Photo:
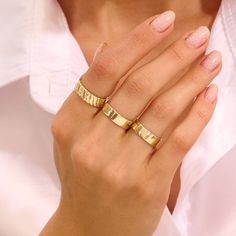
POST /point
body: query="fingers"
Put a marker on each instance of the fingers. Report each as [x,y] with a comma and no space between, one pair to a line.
[116,59]
[143,84]
[171,154]
[165,109]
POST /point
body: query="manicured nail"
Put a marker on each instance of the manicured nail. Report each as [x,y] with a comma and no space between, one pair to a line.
[198,37]
[212,61]
[211,93]
[163,21]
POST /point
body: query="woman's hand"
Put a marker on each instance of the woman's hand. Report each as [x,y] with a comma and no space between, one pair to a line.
[112,181]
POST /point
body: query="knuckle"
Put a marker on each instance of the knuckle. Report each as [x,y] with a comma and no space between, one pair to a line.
[139,190]
[83,156]
[180,141]
[122,181]
[176,52]
[115,178]
[199,79]
[138,84]
[144,191]
[59,134]
[105,66]
[162,109]
[203,114]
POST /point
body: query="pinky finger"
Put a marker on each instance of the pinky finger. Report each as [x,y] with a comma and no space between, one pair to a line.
[171,154]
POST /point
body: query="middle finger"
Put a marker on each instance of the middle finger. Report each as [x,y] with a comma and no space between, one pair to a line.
[142,85]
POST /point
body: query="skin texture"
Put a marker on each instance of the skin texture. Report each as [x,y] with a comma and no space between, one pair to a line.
[112,181]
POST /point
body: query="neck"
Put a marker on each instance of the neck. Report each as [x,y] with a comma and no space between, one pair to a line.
[131,12]
[105,20]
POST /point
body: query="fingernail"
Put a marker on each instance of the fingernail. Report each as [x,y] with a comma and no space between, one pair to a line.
[212,61]
[98,50]
[163,21]
[211,93]
[198,37]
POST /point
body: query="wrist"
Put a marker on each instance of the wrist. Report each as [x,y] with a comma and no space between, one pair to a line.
[61,224]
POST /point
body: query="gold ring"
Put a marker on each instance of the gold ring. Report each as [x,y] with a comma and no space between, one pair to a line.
[87,96]
[118,119]
[145,134]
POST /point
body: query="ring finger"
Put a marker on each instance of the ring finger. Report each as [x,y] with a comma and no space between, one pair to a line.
[165,109]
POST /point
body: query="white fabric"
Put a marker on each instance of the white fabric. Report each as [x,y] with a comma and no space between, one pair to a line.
[40,62]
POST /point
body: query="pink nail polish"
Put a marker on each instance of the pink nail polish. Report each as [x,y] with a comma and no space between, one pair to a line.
[211,93]
[162,22]
[198,37]
[212,61]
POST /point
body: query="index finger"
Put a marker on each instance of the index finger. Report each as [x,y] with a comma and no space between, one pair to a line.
[116,59]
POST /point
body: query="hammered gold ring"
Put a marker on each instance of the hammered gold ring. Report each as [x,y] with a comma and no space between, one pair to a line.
[115,117]
[87,96]
[145,134]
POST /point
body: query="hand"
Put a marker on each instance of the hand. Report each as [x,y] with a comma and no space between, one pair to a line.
[113,183]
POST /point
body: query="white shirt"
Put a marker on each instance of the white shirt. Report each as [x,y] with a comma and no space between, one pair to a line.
[40,62]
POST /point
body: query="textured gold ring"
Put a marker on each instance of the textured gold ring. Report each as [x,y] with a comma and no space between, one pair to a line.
[145,134]
[87,96]
[115,117]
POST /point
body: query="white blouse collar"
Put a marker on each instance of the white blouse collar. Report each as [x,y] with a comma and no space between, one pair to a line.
[229,21]
[56,60]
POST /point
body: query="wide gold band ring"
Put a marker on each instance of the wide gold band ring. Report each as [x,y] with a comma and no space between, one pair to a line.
[87,96]
[145,134]
[115,117]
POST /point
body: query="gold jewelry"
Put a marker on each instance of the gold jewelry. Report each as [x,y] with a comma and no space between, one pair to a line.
[145,134]
[118,119]
[87,96]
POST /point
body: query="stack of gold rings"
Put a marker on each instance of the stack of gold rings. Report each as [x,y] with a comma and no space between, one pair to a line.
[114,116]
[87,96]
